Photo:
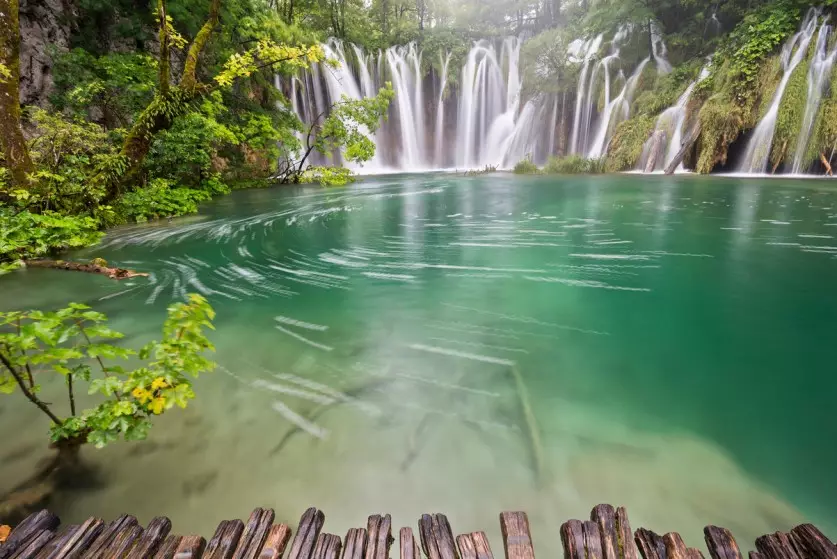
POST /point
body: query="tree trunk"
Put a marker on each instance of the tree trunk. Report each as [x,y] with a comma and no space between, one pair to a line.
[688,142]
[11,134]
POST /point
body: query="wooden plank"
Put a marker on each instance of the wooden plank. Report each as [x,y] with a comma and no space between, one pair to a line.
[409,546]
[255,534]
[592,540]
[605,517]
[755,555]
[81,539]
[168,547]
[33,545]
[327,547]
[355,544]
[49,550]
[190,547]
[109,534]
[694,553]
[517,539]
[572,538]
[379,536]
[720,543]
[224,540]
[428,542]
[123,543]
[482,545]
[29,528]
[277,539]
[675,548]
[627,548]
[151,538]
[465,545]
[651,546]
[306,535]
[814,542]
[436,537]
[777,546]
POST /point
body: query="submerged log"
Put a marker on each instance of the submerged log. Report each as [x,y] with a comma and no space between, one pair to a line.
[95,266]
[688,142]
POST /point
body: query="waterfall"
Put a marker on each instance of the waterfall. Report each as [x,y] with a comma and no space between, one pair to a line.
[757,153]
[818,80]
[438,138]
[615,111]
[583,104]
[669,127]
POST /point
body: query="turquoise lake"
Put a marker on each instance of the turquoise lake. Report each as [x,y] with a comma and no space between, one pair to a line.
[674,337]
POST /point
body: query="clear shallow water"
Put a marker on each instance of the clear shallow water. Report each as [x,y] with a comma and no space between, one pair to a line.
[674,333]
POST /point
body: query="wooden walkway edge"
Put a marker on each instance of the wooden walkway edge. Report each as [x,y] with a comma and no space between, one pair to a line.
[606,535]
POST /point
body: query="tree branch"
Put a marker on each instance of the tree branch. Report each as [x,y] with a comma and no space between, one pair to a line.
[29,394]
[189,80]
[164,47]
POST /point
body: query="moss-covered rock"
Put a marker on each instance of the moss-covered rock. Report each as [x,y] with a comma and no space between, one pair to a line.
[625,148]
[722,121]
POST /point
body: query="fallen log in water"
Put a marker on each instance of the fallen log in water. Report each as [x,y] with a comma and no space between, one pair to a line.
[688,142]
[95,266]
[607,535]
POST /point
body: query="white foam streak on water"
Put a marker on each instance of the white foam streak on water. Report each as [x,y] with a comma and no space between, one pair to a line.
[611,256]
[477,344]
[289,391]
[462,354]
[524,319]
[585,283]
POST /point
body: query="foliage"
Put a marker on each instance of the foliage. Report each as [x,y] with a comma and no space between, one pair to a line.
[66,152]
[66,343]
[752,40]
[328,176]
[161,198]
[26,235]
[110,88]
[625,147]
[267,53]
[185,152]
[546,64]
[574,165]
[526,167]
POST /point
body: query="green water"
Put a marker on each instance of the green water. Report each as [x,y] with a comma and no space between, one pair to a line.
[675,336]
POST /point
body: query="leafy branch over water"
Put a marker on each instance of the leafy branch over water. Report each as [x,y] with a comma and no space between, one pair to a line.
[76,344]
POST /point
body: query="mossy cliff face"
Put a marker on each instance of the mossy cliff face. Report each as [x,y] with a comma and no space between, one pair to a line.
[626,146]
[721,123]
[791,112]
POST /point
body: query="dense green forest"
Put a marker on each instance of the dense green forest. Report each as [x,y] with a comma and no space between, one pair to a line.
[127,110]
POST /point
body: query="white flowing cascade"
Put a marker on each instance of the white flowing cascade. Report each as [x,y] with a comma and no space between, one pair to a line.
[590,136]
[483,124]
[670,123]
[757,154]
[819,74]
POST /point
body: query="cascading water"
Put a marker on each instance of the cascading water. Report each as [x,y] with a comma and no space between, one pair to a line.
[586,50]
[668,132]
[488,126]
[819,74]
[758,149]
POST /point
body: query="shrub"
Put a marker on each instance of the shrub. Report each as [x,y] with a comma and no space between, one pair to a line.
[26,235]
[327,176]
[721,123]
[160,199]
[526,167]
[573,165]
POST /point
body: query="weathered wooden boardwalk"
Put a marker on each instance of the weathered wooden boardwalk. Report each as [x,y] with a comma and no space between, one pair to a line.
[607,535]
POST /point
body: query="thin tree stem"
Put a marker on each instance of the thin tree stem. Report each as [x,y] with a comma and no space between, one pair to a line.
[70,393]
[99,359]
[27,392]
